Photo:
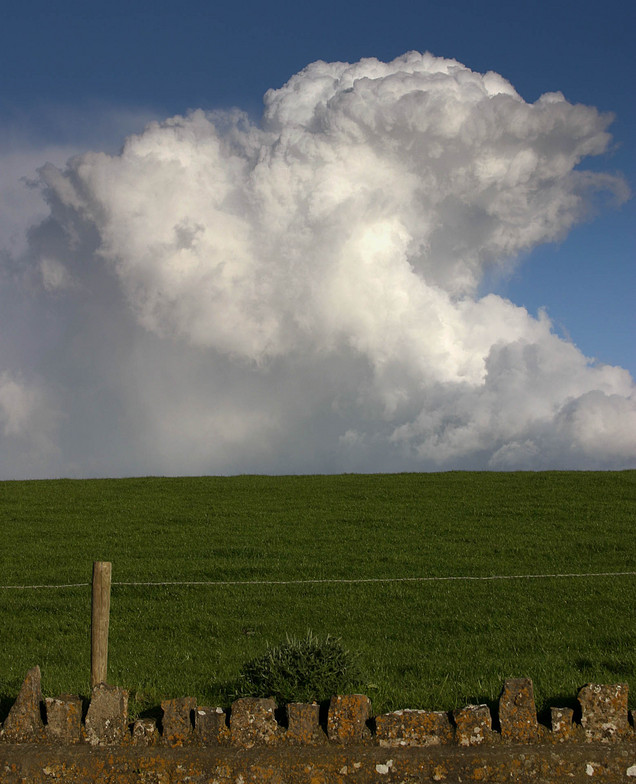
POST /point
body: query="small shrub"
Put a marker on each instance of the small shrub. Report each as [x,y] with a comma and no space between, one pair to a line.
[308,669]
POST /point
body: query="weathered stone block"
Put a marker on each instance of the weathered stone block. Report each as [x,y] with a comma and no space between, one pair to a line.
[562,723]
[253,723]
[210,727]
[473,725]
[64,718]
[24,723]
[517,712]
[178,720]
[107,717]
[145,732]
[304,724]
[604,713]
[347,718]
[413,728]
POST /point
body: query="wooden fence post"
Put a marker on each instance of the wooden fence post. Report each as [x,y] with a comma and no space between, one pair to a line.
[100,616]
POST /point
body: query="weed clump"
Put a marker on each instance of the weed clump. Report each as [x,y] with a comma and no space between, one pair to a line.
[307,669]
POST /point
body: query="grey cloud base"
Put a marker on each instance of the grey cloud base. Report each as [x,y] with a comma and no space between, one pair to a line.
[302,295]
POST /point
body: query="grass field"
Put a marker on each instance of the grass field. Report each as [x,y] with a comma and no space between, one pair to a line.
[433,644]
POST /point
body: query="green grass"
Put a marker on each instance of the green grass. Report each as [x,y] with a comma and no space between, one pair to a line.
[420,644]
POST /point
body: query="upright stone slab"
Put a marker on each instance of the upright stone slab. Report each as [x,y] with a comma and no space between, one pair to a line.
[177,720]
[473,725]
[304,724]
[64,718]
[24,723]
[562,724]
[413,728]
[604,713]
[517,712]
[107,717]
[145,732]
[253,723]
[347,719]
[210,727]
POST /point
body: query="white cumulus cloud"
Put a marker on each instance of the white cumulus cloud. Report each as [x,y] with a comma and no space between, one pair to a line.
[303,294]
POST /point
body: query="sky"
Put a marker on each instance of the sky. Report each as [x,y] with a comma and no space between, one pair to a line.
[316,238]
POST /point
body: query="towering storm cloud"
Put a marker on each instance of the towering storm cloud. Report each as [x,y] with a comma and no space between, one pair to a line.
[309,292]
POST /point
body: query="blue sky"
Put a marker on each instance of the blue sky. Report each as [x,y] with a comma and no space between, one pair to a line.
[77,76]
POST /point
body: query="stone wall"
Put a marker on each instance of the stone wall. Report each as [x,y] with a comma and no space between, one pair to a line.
[49,740]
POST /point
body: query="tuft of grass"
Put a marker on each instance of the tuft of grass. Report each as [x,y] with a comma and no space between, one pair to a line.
[302,669]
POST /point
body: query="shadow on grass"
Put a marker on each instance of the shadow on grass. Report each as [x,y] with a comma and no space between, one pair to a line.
[6,703]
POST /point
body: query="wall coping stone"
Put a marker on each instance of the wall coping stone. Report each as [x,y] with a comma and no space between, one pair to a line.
[64,718]
[473,726]
[414,728]
[107,717]
[24,723]
[604,714]
[517,712]
[347,719]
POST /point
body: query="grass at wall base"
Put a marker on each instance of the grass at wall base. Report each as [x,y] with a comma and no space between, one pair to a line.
[266,543]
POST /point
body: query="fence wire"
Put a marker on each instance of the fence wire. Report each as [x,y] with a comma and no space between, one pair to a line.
[335,580]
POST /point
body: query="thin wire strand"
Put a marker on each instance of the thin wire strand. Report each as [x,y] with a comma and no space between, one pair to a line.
[68,585]
[327,580]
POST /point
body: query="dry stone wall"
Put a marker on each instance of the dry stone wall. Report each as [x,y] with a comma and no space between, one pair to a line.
[48,740]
